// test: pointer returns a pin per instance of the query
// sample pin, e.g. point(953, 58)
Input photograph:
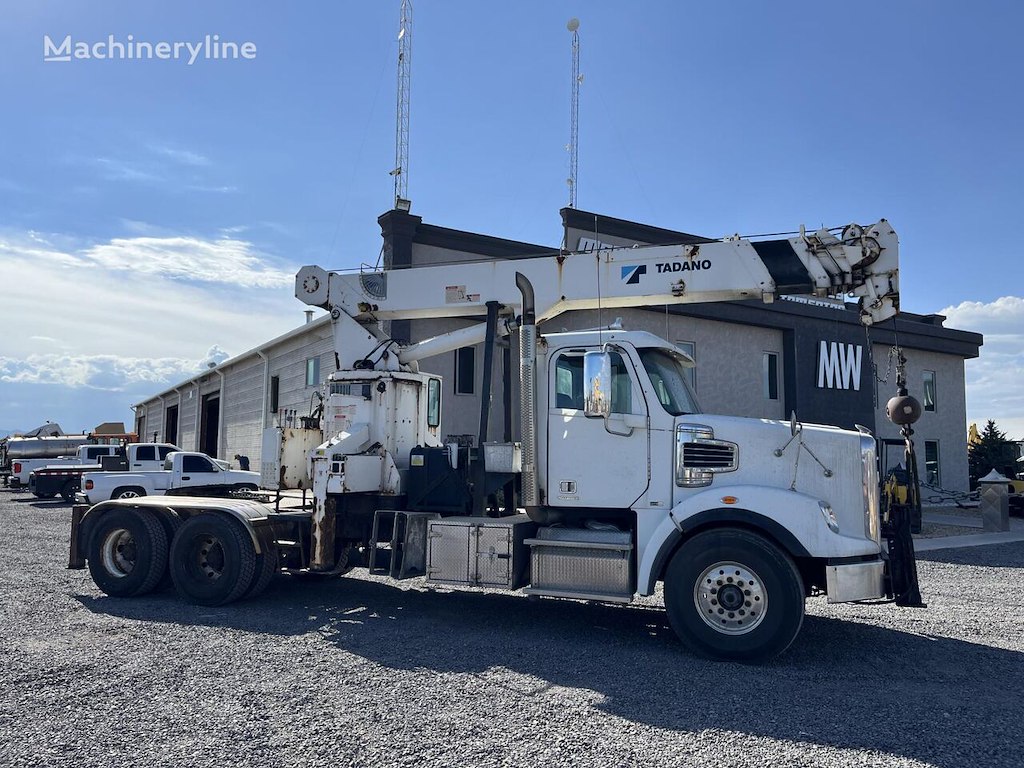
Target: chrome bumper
point(847, 582)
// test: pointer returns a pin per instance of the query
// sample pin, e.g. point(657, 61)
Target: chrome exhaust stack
point(528, 395)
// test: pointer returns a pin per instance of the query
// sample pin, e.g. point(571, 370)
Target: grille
point(709, 456)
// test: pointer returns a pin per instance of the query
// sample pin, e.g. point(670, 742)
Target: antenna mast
point(573, 26)
point(401, 170)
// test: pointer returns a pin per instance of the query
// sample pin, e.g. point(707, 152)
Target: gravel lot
point(357, 671)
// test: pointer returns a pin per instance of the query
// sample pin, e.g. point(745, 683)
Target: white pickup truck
point(86, 454)
point(66, 478)
point(185, 473)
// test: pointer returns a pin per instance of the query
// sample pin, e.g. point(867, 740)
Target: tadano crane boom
point(861, 261)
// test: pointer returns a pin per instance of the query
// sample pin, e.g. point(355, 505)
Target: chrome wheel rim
point(118, 552)
point(127, 495)
point(730, 598)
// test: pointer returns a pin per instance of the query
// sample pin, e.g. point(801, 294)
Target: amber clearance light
point(729, 499)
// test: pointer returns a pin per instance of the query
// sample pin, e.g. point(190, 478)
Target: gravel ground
point(357, 671)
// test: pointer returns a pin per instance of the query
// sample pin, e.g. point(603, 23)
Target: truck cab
point(660, 466)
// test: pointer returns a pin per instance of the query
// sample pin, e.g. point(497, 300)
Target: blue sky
point(152, 212)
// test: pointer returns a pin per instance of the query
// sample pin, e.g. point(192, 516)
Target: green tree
point(994, 451)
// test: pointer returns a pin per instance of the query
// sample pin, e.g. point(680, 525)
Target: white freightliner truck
point(617, 482)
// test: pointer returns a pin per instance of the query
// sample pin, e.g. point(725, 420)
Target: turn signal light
point(729, 499)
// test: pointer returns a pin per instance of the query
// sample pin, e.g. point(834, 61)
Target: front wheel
point(733, 595)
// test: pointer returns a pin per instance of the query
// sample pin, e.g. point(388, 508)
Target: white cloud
point(107, 372)
point(225, 260)
point(114, 169)
point(142, 297)
point(183, 156)
point(994, 381)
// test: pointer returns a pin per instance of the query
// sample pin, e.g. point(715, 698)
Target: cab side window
point(196, 464)
point(622, 386)
point(569, 381)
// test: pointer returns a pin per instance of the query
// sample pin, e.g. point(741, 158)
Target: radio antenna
point(401, 169)
point(574, 110)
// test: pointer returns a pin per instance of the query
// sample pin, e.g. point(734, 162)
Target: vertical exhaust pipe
point(528, 394)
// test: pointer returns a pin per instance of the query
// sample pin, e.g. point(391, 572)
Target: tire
point(127, 552)
point(213, 560)
point(266, 570)
point(732, 568)
point(67, 492)
point(130, 492)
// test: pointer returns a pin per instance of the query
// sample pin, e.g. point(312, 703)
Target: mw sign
point(839, 365)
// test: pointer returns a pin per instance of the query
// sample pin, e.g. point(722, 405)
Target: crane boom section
point(863, 262)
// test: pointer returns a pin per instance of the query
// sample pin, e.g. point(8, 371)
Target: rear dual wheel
point(127, 552)
point(213, 561)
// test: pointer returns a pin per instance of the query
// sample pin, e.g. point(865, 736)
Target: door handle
point(185, 477)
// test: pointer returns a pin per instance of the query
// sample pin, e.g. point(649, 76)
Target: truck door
point(197, 471)
point(591, 463)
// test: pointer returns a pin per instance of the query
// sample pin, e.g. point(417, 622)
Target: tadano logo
point(631, 274)
point(210, 48)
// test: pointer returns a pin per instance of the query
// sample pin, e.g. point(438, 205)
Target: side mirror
point(597, 382)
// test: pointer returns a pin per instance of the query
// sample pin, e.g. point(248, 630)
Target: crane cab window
point(569, 383)
point(433, 402)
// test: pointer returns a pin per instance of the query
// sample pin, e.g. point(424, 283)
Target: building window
point(313, 372)
point(770, 366)
point(931, 462)
point(929, 390)
point(690, 374)
point(465, 370)
point(275, 392)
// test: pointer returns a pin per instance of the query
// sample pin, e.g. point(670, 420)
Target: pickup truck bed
point(49, 481)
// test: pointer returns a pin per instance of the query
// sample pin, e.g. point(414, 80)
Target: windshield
point(669, 379)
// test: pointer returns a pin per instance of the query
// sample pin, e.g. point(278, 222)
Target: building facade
point(811, 357)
